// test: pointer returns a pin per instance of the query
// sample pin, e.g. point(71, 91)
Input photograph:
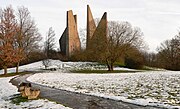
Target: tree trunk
point(5, 70)
point(110, 66)
point(17, 67)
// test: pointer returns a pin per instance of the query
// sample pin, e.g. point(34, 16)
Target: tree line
point(167, 56)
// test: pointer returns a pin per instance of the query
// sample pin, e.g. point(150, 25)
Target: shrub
point(133, 63)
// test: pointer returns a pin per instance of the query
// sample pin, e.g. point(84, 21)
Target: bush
point(133, 63)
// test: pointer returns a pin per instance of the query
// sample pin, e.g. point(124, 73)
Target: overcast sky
point(158, 19)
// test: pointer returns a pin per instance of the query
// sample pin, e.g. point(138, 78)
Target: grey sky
point(158, 19)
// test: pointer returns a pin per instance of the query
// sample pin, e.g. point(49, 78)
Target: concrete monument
point(96, 36)
point(69, 41)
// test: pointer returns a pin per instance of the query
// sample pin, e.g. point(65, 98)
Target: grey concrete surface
point(78, 100)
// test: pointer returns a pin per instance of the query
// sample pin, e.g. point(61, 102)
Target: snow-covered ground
point(7, 90)
point(38, 66)
point(157, 88)
point(140, 88)
point(61, 66)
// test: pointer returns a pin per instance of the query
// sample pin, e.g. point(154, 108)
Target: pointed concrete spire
point(99, 37)
point(91, 26)
point(101, 30)
point(102, 26)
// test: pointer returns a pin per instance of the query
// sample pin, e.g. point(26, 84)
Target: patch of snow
point(121, 68)
point(155, 88)
point(7, 90)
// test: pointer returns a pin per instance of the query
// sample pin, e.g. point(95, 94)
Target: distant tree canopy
point(169, 54)
point(19, 36)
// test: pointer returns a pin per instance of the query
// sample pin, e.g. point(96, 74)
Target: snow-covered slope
point(157, 88)
point(7, 90)
point(37, 66)
point(30, 67)
point(61, 66)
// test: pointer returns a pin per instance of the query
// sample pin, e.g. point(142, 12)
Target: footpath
point(77, 100)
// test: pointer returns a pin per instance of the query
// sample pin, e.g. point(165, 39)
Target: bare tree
point(169, 54)
point(121, 38)
point(28, 37)
point(150, 59)
point(50, 42)
point(46, 63)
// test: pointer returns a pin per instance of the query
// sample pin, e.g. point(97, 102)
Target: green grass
point(13, 74)
point(17, 99)
point(102, 71)
point(117, 64)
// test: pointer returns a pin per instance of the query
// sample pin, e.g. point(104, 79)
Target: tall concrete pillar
point(99, 38)
point(69, 41)
point(91, 26)
point(74, 41)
